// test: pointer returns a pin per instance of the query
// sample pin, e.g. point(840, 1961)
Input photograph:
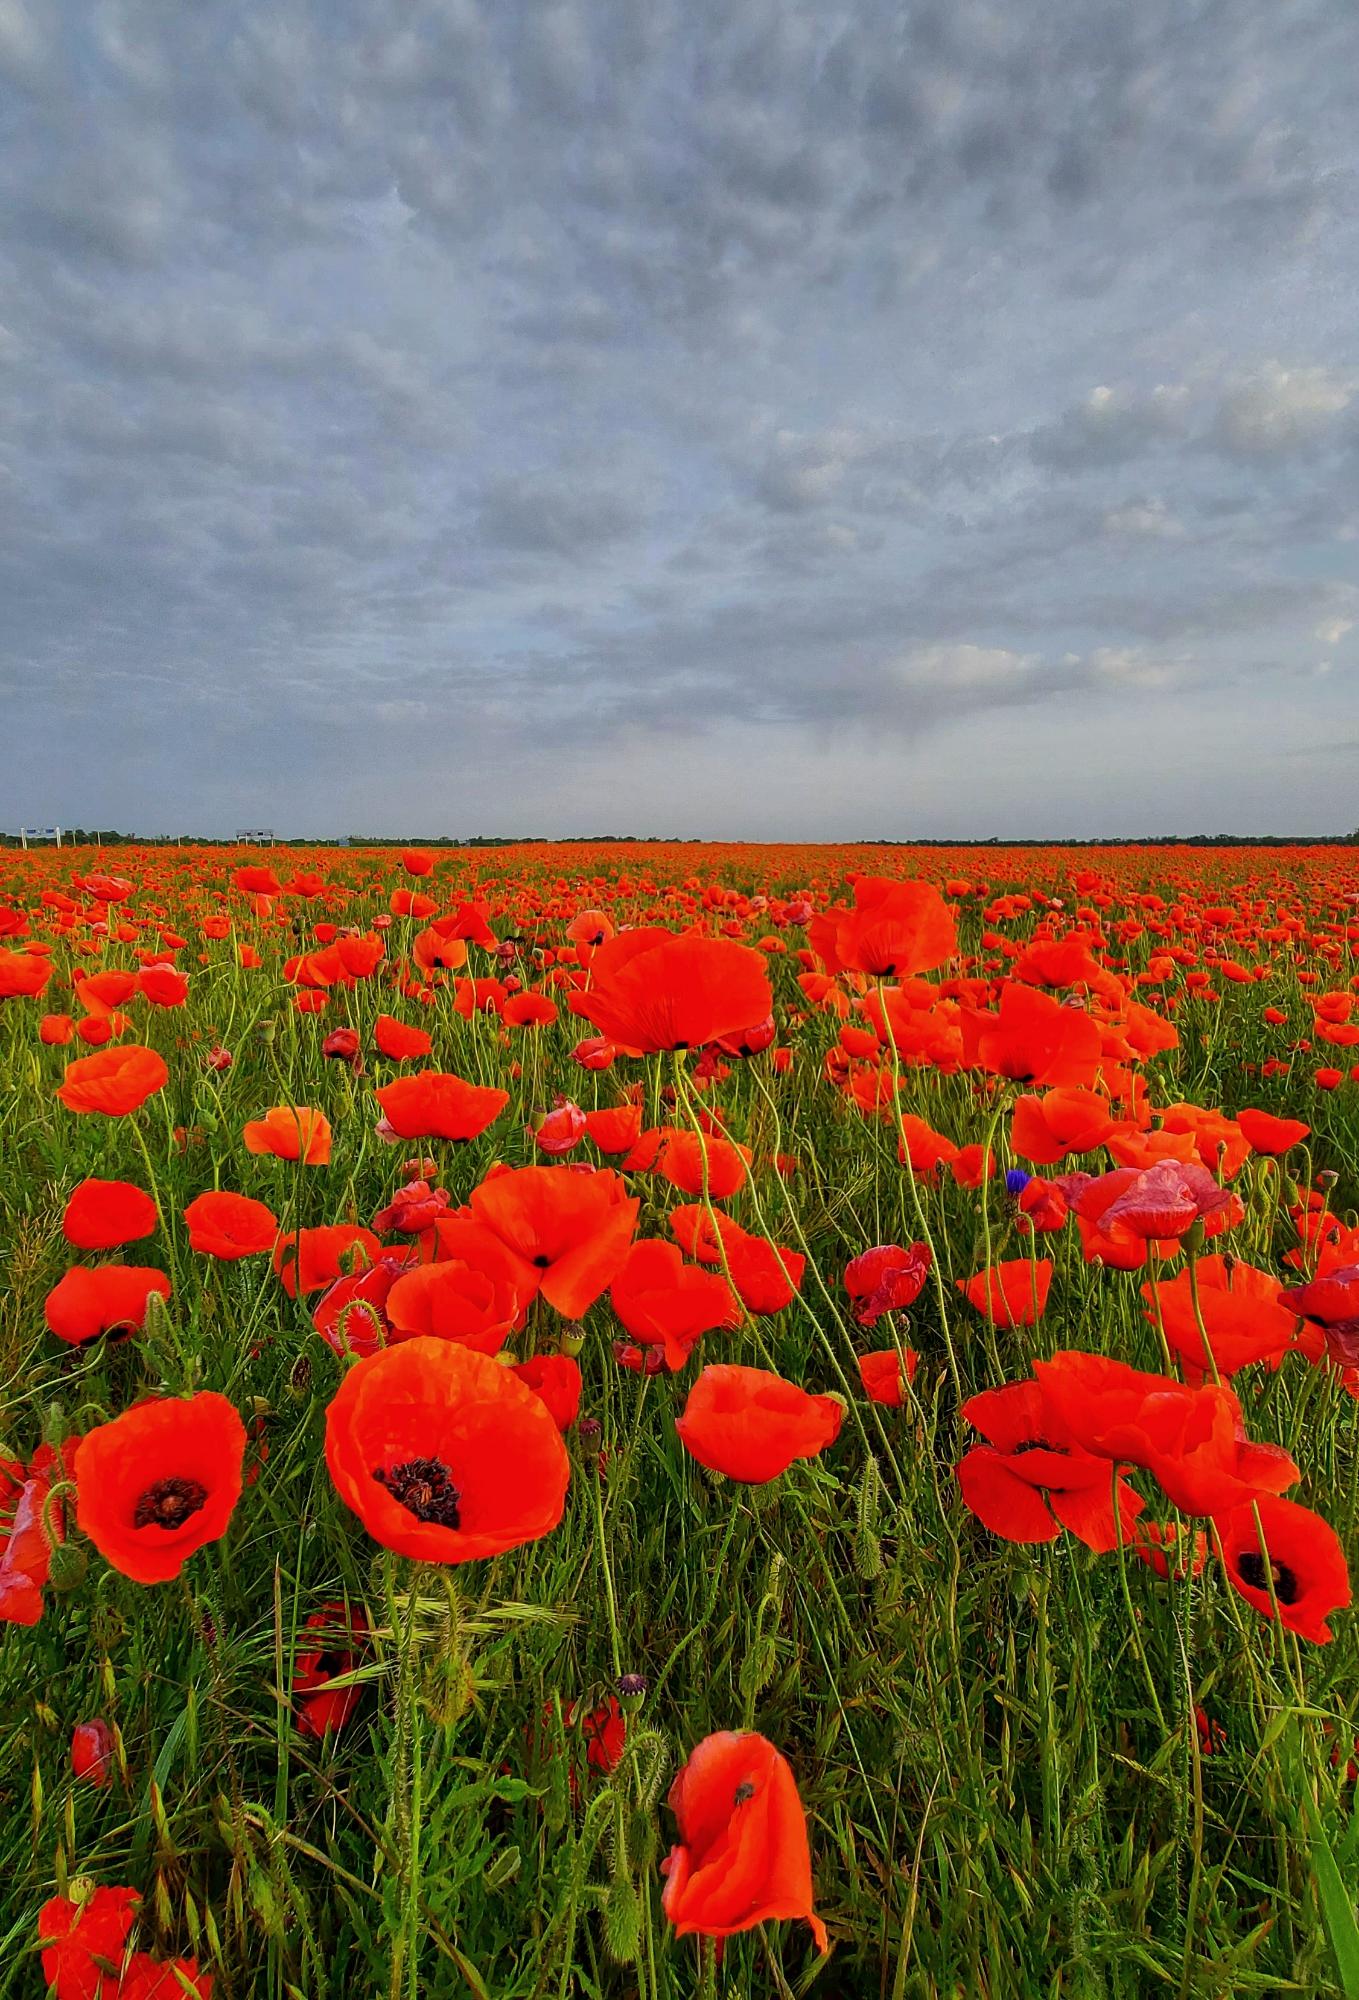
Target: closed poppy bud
point(92, 1751)
point(742, 1857)
point(561, 1129)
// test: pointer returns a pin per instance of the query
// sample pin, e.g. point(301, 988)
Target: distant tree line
point(81, 837)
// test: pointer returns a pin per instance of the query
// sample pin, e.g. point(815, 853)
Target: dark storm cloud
point(555, 411)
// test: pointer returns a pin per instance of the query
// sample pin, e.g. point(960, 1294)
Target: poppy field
point(661, 1420)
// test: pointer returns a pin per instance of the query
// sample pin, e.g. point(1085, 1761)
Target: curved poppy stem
point(1135, 1637)
point(1191, 1247)
point(609, 1598)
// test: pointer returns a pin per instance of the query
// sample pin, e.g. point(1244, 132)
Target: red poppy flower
point(557, 1379)
point(1033, 1038)
point(925, 1148)
point(400, 1042)
point(558, 1230)
point(1028, 1480)
point(291, 1133)
point(416, 862)
point(230, 1226)
point(1241, 1310)
point(895, 929)
point(1012, 1293)
point(1159, 1203)
point(114, 1081)
point(1268, 1134)
point(1045, 1129)
point(29, 1526)
point(887, 1279)
point(765, 1277)
point(452, 1301)
point(749, 1424)
point(308, 1259)
point(1331, 1301)
point(528, 1010)
point(443, 1454)
point(81, 1936)
point(1295, 1550)
point(693, 1161)
point(664, 1302)
point(163, 986)
point(651, 990)
point(616, 1129)
point(102, 1214)
point(742, 1857)
point(886, 1375)
point(106, 1298)
point(23, 974)
point(603, 1729)
point(438, 1105)
point(352, 1316)
point(413, 1208)
point(159, 1482)
point(337, 1632)
point(92, 1752)
point(561, 1129)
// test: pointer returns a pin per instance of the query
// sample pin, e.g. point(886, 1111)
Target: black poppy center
point(424, 1488)
point(1252, 1571)
point(540, 1262)
point(1035, 1444)
point(330, 1664)
point(169, 1503)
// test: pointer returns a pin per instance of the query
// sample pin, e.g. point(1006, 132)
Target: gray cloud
point(559, 410)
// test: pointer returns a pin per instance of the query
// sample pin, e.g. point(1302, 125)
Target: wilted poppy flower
point(895, 929)
point(336, 1632)
point(230, 1226)
point(557, 1230)
point(557, 1379)
point(742, 1858)
point(443, 1454)
point(438, 1105)
point(651, 990)
point(413, 1208)
point(92, 1751)
point(102, 1214)
point(291, 1133)
point(561, 1129)
point(1029, 1480)
point(750, 1424)
point(886, 1375)
point(308, 1259)
point(91, 1300)
point(342, 1045)
point(887, 1279)
point(664, 1302)
point(1293, 1549)
point(452, 1301)
point(114, 1081)
point(159, 1482)
point(1011, 1293)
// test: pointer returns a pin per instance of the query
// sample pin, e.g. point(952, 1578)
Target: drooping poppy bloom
point(93, 1300)
point(1293, 1549)
point(1028, 1481)
point(291, 1132)
point(92, 1752)
point(29, 1526)
point(336, 1633)
point(894, 930)
point(557, 1379)
point(742, 1857)
point(764, 1276)
point(159, 1482)
point(114, 1081)
point(399, 1041)
point(1242, 1311)
point(664, 1302)
point(102, 1214)
point(887, 1279)
point(437, 1105)
point(750, 1424)
point(230, 1226)
point(351, 1317)
point(886, 1375)
point(452, 1301)
point(1011, 1293)
point(443, 1454)
point(651, 990)
point(551, 1229)
point(306, 1260)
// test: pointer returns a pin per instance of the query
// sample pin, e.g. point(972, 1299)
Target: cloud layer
point(748, 419)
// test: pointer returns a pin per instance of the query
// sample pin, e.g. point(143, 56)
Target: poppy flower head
point(102, 1214)
point(291, 1133)
point(750, 1424)
point(113, 1081)
point(887, 1279)
point(437, 1105)
point(651, 990)
point(1277, 1553)
point(159, 1481)
point(93, 1300)
point(443, 1454)
point(742, 1857)
point(230, 1226)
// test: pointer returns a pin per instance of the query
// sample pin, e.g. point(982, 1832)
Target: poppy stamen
point(423, 1487)
point(1251, 1569)
point(169, 1503)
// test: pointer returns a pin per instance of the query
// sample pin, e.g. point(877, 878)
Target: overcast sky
point(730, 417)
